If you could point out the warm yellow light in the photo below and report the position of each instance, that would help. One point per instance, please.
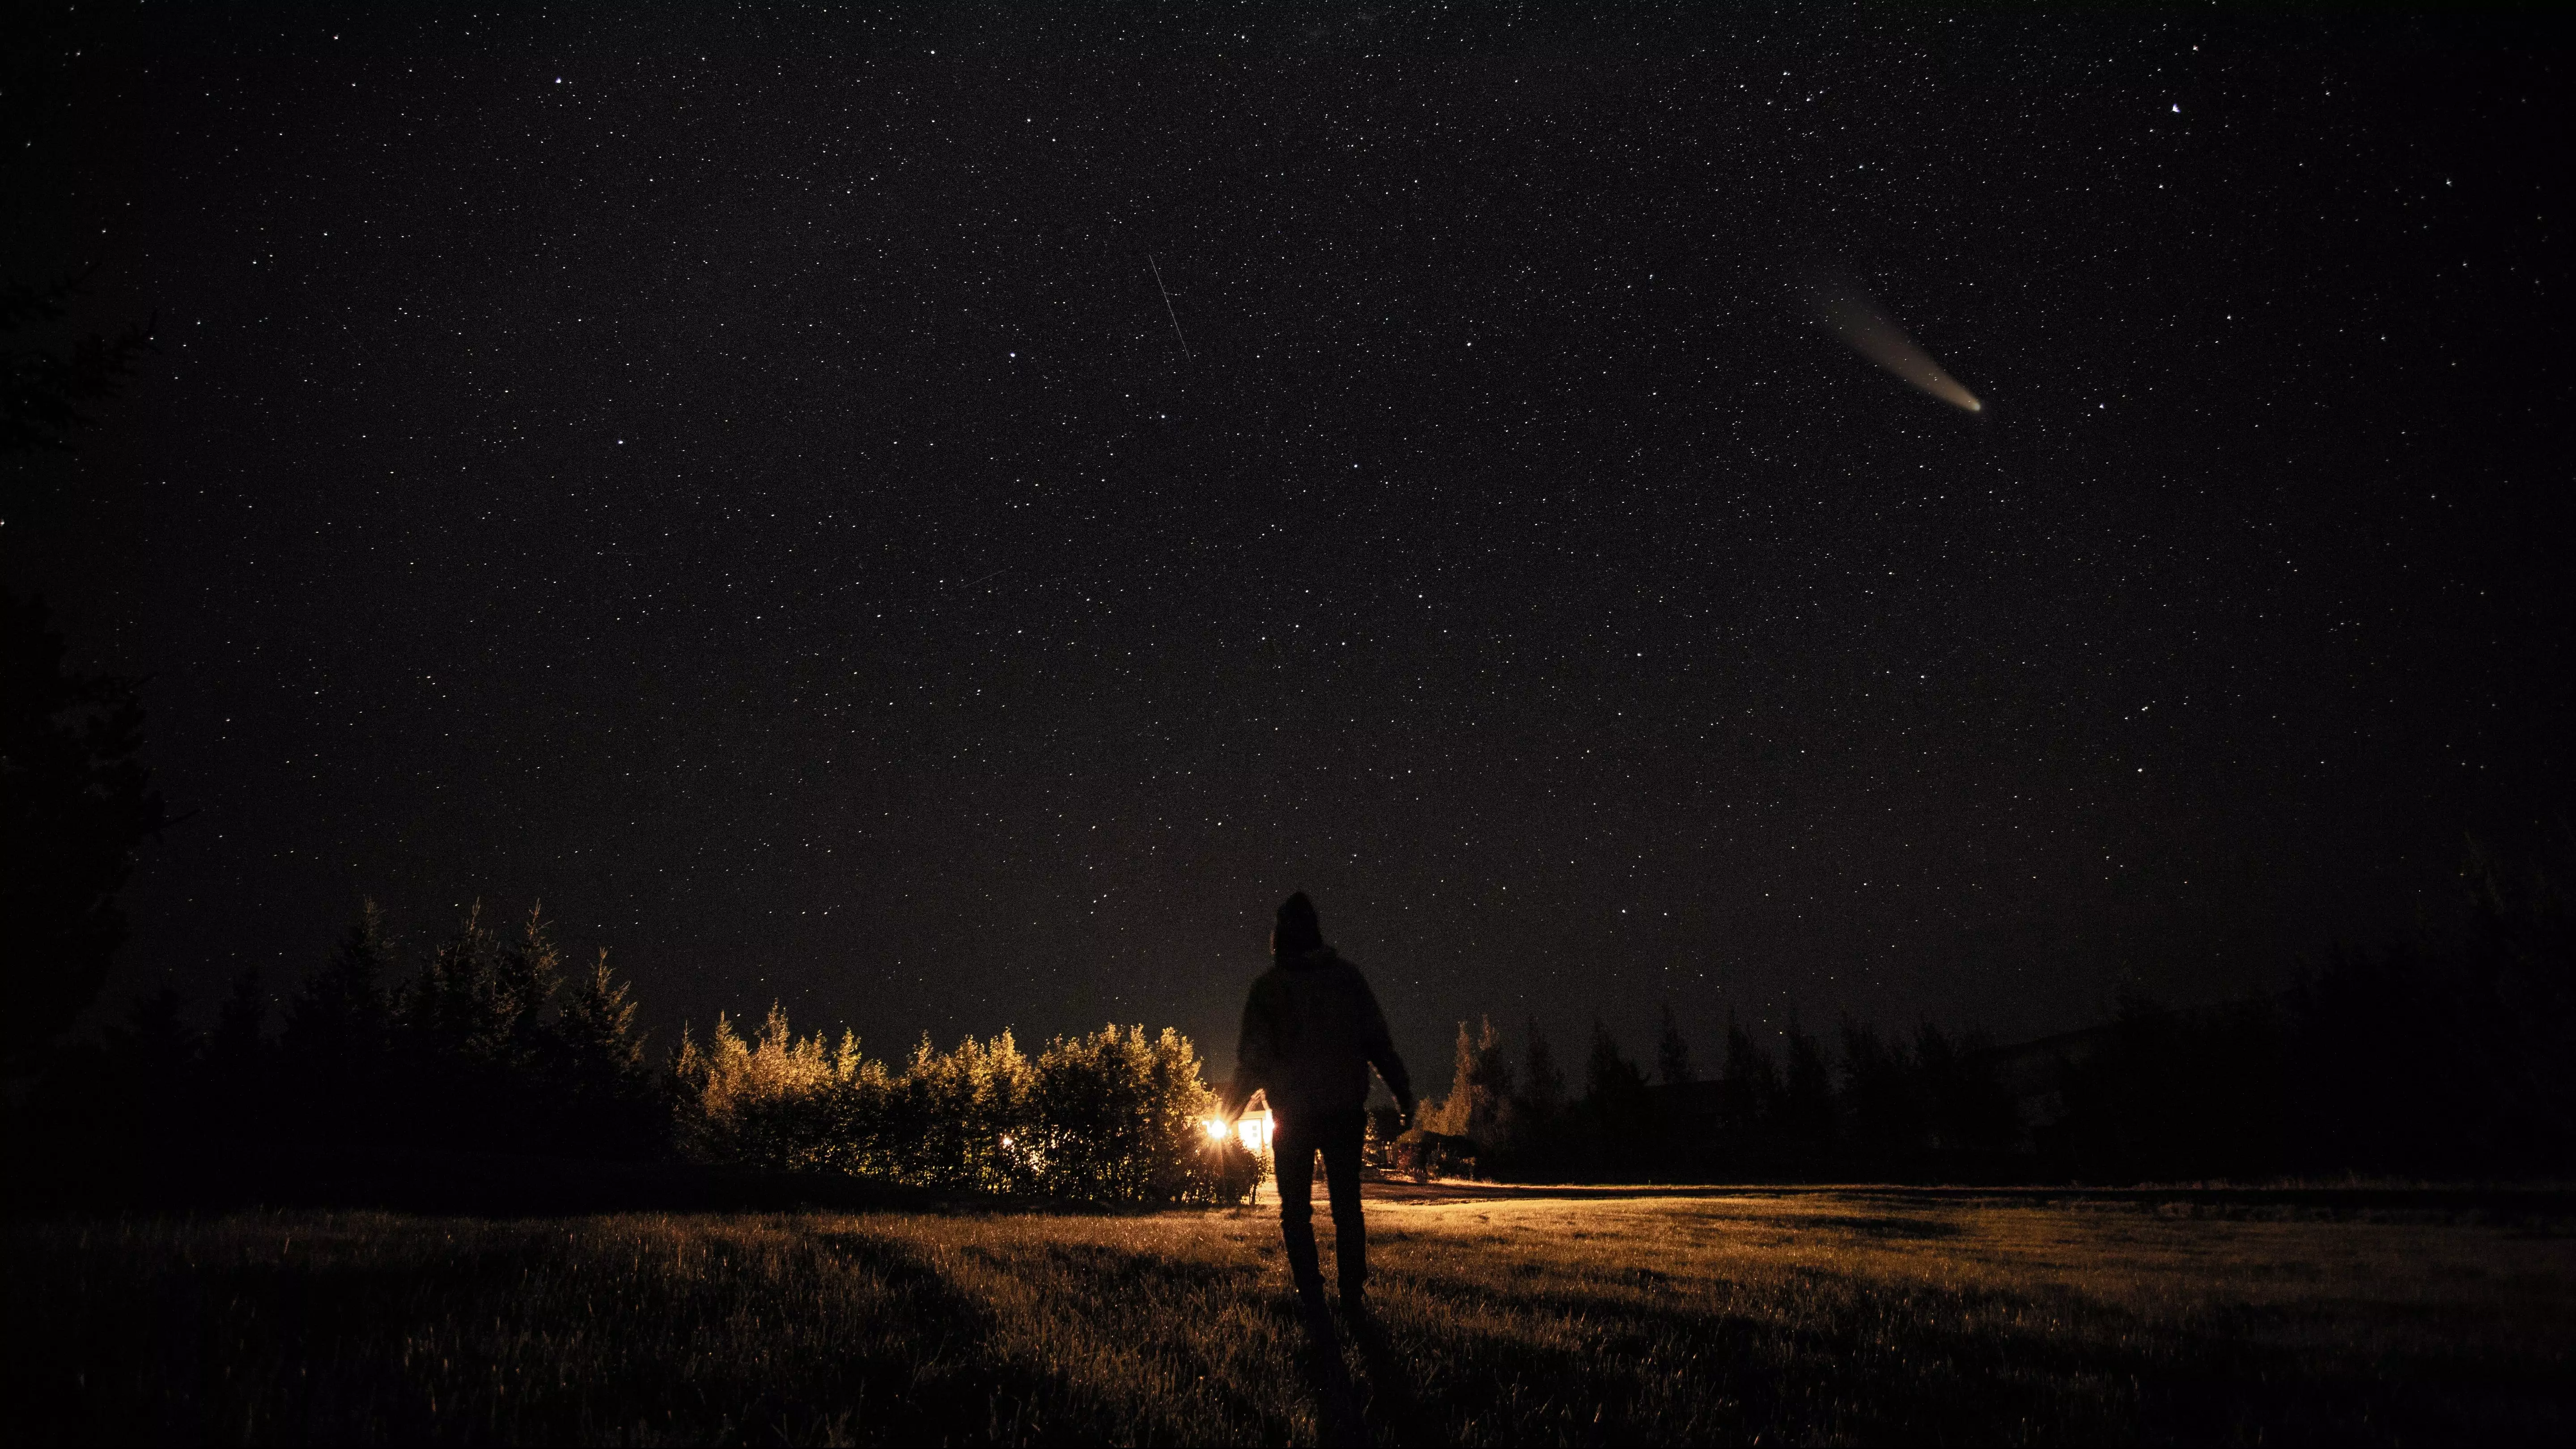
(1216, 1128)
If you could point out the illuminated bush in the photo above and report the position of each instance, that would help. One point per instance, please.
(1115, 1116)
(1120, 1118)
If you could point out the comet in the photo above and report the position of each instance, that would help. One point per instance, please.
(1874, 335)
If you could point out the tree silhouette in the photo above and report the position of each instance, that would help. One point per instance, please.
(137, 1086)
(342, 1010)
(1967, 1110)
(75, 799)
(596, 1044)
(1881, 1094)
(1806, 1102)
(1609, 1078)
(1542, 1081)
(1616, 1109)
(484, 998)
(1748, 1086)
(237, 1075)
(75, 803)
(338, 1035)
(43, 386)
(1672, 1053)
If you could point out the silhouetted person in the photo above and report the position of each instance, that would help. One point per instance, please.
(1311, 1031)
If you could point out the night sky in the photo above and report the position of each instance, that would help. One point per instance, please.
(737, 479)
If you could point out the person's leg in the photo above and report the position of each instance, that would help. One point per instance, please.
(1293, 1155)
(1342, 1135)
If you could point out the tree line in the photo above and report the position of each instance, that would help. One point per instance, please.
(2446, 1054)
(495, 1044)
(2443, 1055)
(498, 1045)
(2449, 1053)
(1785, 1111)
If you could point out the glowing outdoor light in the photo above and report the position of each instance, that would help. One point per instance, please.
(1254, 1128)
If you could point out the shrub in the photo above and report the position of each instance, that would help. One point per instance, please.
(1115, 1116)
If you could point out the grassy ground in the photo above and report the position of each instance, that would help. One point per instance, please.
(1793, 1318)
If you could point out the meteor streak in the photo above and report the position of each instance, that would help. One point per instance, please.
(1167, 307)
(1874, 335)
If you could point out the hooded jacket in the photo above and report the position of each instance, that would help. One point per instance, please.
(1311, 1031)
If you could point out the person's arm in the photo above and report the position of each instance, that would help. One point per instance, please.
(1379, 1045)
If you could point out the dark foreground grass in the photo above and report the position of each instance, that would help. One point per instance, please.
(1821, 1317)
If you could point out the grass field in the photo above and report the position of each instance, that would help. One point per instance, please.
(1805, 1317)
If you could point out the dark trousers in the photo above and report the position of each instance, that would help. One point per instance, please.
(1337, 1135)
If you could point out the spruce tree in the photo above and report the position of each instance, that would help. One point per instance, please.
(75, 804)
(76, 800)
(1882, 1094)
(526, 974)
(1542, 1081)
(595, 1044)
(487, 999)
(603, 1097)
(1672, 1052)
(1609, 1078)
(450, 1002)
(339, 1024)
(1480, 1087)
(1616, 1113)
(1806, 1115)
(1748, 1085)
(237, 1065)
(150, 1064)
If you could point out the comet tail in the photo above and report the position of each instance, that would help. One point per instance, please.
(1874, 335)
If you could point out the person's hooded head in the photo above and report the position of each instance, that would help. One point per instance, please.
(1296, 932)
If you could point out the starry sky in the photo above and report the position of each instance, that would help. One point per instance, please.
(737, 477)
